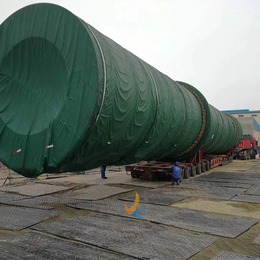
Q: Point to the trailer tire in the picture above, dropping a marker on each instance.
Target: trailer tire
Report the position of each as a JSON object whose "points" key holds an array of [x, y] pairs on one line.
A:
{"points": [[224, 162], [133, 175], [186, 173], [207, 166], [203, 167], [193, 171], [198, 169]]}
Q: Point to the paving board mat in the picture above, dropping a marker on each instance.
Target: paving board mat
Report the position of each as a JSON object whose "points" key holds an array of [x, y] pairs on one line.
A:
{"points": [[156, 198], [130, 237], [146, 184], [17, 200], [257, 240], [234, 175], [9, 197], [94, 192], [247, 198], [17, 218], [186, 219], [224, 255], [35, 246], [218, 179], [34, 189], [254, 190], [197, 185], [25, 203], [43, 201], [211, 192]]}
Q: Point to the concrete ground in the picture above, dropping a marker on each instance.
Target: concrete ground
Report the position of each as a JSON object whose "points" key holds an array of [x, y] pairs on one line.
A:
{"points": [[216, 215]]}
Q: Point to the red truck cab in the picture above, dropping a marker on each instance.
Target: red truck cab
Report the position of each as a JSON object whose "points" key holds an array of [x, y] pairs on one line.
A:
{"points": [[247, 148]]}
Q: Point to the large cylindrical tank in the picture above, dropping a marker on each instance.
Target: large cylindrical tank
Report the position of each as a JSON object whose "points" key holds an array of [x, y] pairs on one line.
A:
{"points": [[72, 99]]}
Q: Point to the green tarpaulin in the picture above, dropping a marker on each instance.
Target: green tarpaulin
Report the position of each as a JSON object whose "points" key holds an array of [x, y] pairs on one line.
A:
{"points": [[72, 99]]}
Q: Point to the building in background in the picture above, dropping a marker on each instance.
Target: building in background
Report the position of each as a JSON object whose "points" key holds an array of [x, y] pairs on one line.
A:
{"points": [[249, 120]]}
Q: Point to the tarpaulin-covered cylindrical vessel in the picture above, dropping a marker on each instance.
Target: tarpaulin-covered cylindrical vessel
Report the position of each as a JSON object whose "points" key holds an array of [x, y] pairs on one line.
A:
{"points": [[72, 99]]}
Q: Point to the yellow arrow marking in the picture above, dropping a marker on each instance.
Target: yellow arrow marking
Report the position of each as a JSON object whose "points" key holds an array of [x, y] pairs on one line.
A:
{"points": [[133, 208]]}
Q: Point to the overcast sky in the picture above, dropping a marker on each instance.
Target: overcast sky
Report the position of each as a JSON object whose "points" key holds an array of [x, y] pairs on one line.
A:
{"points": [[212, 44]]}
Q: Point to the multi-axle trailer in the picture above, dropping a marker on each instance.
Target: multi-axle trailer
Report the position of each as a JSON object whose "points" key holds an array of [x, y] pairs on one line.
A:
{"points": [[160, 171]]}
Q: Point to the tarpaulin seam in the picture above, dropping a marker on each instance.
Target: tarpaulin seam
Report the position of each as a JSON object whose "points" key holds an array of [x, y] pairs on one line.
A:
{"points": [[105, 74]]}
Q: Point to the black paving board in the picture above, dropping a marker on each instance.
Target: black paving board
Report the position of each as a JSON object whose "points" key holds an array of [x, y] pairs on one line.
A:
{"points": [[217, 179], [41, 201], [209, 192], [233, 175], [156, 198], [34, 189], [197, 185], [130, 237], [247, 198], [35, 246], [255, 190], [9, 197], [16, 218], [224, 255], [186, 219], [257, 240], [18, 200]]}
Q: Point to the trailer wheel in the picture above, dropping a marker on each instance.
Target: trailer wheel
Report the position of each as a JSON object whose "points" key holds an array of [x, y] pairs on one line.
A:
{"points": [[182, 174], [193, 171], [203, 167], [186, 173], [134, 174], [207, 166], [224, 162], [198, 169]]}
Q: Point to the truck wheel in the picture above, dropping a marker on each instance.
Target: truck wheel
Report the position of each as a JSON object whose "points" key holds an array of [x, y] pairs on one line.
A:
{"points": [[198, 169], [193, 170], [207, 166], [186, 173], [203, 167]]}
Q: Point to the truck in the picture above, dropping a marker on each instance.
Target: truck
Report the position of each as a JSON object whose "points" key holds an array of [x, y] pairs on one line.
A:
{"points": [[247, 148]]}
